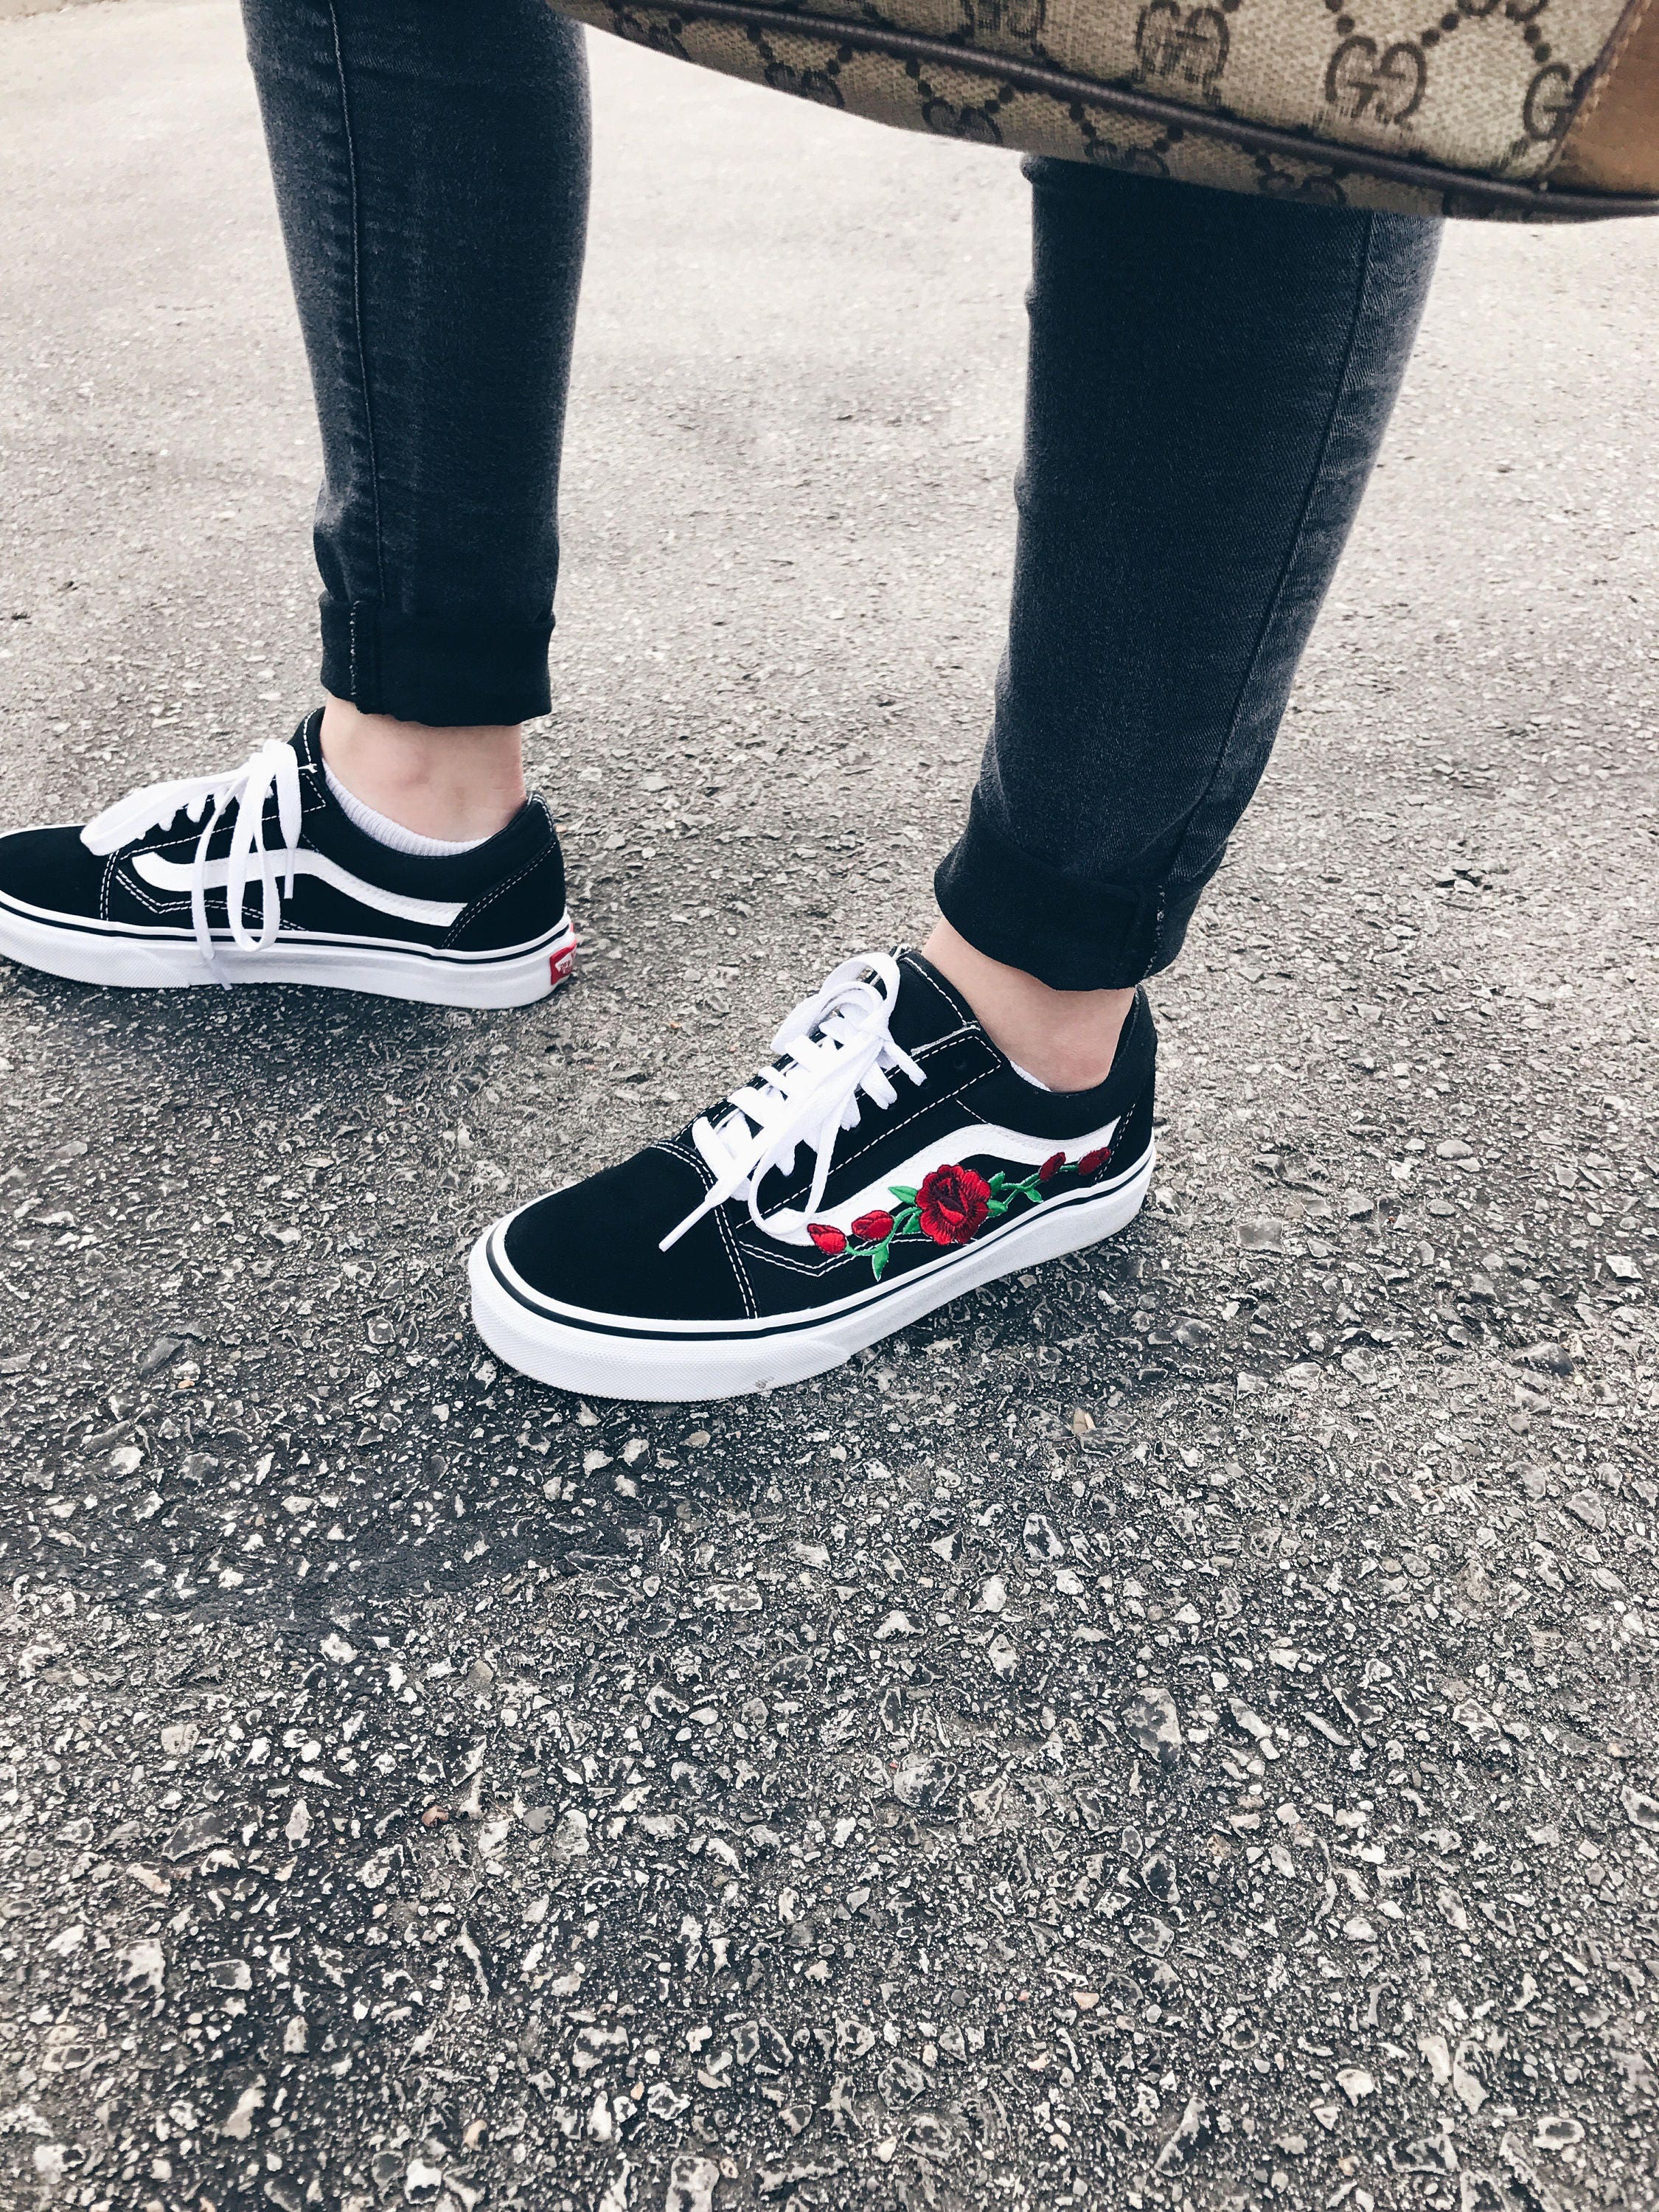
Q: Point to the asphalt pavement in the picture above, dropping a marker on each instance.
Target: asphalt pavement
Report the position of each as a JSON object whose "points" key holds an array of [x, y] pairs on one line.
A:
{"points": [[1175, 1730]]}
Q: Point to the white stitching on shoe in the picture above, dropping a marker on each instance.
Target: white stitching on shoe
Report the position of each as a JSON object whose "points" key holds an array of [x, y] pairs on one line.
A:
{"points": [[236, 798], [679, 1151], [833, 1052], [939, 1098], [137, 891], [676, 1151], [921, 977], [738, 1267], [482, 906]]}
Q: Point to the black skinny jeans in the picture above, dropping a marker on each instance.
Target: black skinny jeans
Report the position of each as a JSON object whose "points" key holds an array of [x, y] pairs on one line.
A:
{"points": [[1209, 379]]}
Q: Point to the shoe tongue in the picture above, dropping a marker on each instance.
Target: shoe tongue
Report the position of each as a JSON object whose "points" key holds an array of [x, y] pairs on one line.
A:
{"points": [[306, 740], [919, 1014], [927, 1007]]}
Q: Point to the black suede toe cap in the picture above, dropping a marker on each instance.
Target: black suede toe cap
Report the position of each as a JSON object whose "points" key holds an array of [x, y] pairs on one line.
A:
{"points": [[595, 1245], [52, 869]]}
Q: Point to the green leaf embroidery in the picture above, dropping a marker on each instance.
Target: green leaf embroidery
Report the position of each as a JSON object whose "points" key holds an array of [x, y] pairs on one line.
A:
{"points": [[1001, 1197]]}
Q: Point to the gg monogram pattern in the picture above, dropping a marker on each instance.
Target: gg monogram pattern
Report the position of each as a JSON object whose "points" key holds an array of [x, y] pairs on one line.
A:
{"points": [[1365, 103]]}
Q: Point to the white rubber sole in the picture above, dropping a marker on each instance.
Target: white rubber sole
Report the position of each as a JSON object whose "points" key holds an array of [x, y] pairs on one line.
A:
{"points": [[148, 960], [604, 1356]]}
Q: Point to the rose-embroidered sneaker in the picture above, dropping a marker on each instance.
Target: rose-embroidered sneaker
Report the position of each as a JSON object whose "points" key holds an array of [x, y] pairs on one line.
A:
{"points": [[888, 1159], [257, 876]]}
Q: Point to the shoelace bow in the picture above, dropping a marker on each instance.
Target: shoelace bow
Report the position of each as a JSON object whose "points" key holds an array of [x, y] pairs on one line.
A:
{"points": [[835, 1048], [274, 766]]}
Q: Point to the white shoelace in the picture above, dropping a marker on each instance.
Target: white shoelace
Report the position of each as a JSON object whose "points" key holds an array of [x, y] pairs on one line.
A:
{"points": [[274, 766], [834, 1049]]}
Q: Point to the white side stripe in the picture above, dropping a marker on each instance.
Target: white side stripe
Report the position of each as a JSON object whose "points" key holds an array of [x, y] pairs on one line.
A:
{"points": [[174, 877], [973, 1140]]}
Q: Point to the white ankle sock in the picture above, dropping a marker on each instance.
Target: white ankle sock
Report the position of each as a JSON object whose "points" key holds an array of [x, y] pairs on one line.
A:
{"points": [[1025, 1075], [385, 831]]}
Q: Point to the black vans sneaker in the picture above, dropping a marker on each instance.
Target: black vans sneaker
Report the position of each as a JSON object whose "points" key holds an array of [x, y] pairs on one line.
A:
{"points": [[712, 1263], [255, 875]]}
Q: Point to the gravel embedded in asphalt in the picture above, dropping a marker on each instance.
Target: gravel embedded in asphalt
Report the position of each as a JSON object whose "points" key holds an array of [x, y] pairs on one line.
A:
{"points": [[1174, 1730]]}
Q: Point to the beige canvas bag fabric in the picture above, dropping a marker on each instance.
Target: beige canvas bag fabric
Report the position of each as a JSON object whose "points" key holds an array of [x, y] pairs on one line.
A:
{"points": [[1534, 109]]}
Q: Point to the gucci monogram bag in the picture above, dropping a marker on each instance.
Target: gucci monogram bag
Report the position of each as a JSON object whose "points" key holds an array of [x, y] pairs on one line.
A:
{"points": [[1533, 109]]}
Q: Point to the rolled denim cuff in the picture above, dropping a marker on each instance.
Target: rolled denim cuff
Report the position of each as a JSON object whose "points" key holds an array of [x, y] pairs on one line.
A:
{"points": [[1072, 935], [423, 671]]}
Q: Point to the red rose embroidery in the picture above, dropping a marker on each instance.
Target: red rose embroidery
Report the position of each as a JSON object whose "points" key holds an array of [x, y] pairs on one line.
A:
{"points": [[1051, 1167], [1091, 1161], [827, 1237], [952, 1204], [874, 1227]]}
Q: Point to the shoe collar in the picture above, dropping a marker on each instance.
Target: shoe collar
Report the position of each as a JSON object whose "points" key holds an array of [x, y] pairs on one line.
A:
{"points": [[327, 828]]}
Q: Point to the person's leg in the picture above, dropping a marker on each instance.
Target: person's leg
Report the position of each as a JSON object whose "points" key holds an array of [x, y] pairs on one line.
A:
{"points": [[431, 165], [1210, 376], [431, 169], [1210, 381]]}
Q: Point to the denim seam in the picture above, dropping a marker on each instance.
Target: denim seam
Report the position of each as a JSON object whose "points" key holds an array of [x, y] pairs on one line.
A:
{"points": [[1039, 864], [1172, 872], [357, 331]]}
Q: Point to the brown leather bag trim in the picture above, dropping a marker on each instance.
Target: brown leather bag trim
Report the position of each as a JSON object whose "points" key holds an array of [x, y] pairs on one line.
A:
{"points": [[1463, 191], [1612, 144]]}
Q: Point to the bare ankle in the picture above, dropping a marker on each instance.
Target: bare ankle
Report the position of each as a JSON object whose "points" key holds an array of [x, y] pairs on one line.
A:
{"points": [[1066, 1039], [448, 783]]}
